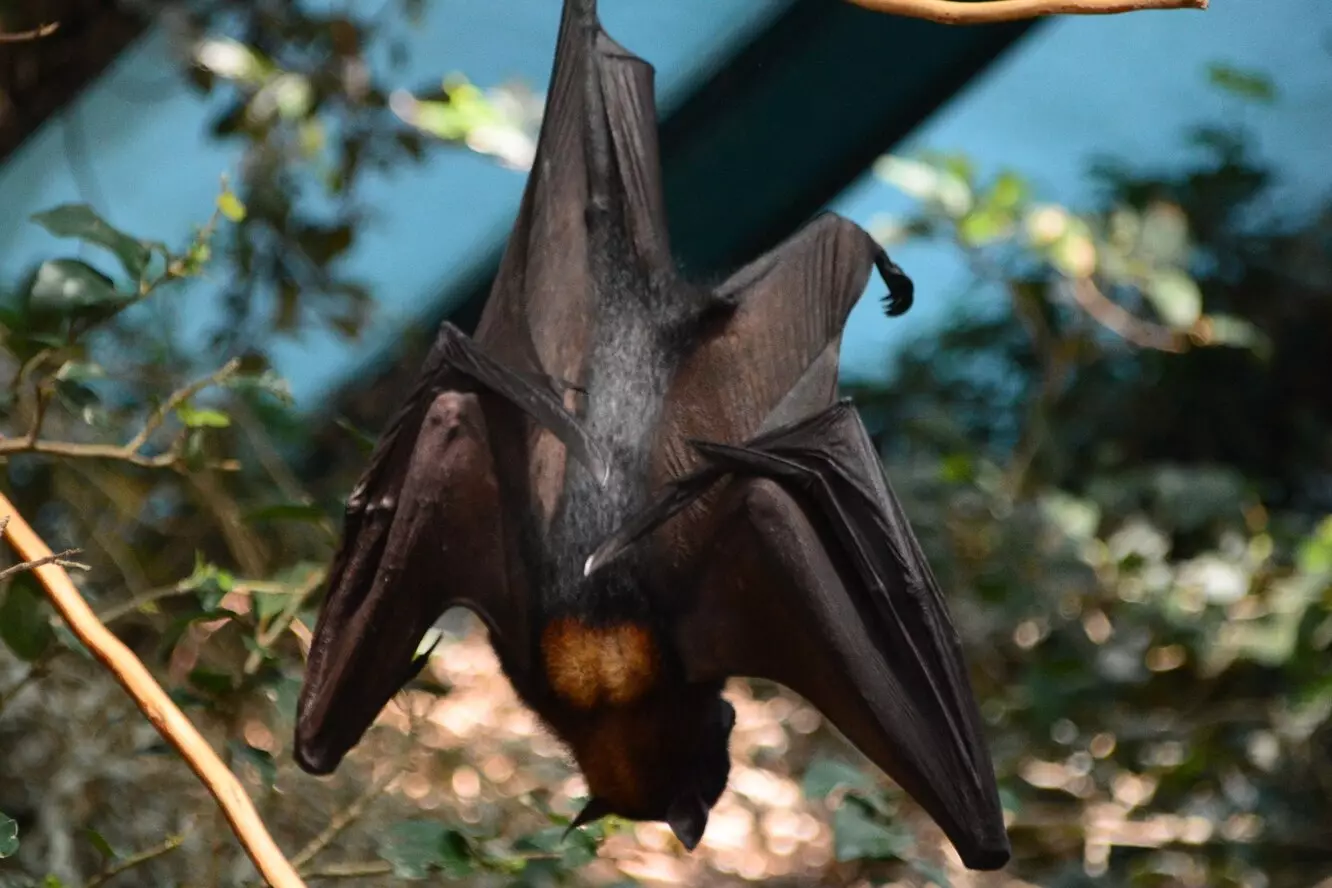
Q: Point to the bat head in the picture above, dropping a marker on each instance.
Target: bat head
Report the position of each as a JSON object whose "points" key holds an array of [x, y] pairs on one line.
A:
{"points": [[668, 762]]}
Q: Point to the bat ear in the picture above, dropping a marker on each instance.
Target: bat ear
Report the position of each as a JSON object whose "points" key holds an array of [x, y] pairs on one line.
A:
{"points": [[688, 818], [595, 809]]}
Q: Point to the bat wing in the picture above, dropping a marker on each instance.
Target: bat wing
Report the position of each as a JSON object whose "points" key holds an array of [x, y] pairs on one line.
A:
{"points": [[815, 580], [776, 355], [425, 529], [593, 198]]}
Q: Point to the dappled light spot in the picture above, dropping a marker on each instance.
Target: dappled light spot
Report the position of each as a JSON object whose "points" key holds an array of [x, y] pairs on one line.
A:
{"points": [[466, 783]]}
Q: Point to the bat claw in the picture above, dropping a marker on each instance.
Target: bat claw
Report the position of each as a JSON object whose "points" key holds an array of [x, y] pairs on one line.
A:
{"points": [[901, 289]]}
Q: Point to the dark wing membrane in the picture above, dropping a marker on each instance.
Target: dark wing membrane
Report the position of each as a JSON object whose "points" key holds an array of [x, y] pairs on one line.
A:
{"points": [[816, 581], [780, 343], [774, 358], [424, 530], [597, 151]]}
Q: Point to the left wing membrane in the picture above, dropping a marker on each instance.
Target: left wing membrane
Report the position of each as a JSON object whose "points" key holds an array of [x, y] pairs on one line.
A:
{"points": [[816, 581]]}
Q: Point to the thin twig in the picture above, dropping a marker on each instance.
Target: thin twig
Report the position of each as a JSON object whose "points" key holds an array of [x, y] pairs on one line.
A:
{"points": [[159, 708], [120, 866], [184, 587], [959, 12], [60, 558], [178, 397], [1115, 317], [37, 33], [128, 452], [351, 870], [342, 820], [36, 670], [273, 631]]}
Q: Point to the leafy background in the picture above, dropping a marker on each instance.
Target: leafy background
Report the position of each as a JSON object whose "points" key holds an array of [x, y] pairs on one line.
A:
{"points": [[1121, 468]]}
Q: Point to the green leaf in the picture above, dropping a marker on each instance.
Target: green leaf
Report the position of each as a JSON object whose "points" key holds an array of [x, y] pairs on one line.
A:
{"points": [[1074, 253], [1176, 298], [933, 184], [1315, 553], [1236, 332], [1251, 85], [1009, 191], [231, 206], [79, 220], [415, 848], [198, 418], [259, 759], [102, 845], [23, 619], [65, 286], [984, 225], [268, 605], [209, 583], [9, 842], [1163, 235], [1077, 518], [211, 681], [858, 835], [825, 775]]}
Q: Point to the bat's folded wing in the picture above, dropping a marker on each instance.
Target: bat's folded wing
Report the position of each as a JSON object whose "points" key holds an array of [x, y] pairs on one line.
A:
{"points": [[425, 529], [816, 581]]}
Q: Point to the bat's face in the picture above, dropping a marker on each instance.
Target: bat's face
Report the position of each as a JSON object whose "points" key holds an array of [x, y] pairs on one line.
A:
{"points": [[667, 761]]}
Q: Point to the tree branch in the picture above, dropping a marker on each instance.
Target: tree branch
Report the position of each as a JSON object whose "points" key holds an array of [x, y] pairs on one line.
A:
{"points": [[60, 558], [1115, 317], [148, 695], [120, 866], [274, 630], [129, 451], [37, 33], [341, 821], [352, 870], [958, 12]]}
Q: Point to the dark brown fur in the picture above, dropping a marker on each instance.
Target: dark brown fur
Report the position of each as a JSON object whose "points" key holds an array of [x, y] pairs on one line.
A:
{"points": [[739, 521]]}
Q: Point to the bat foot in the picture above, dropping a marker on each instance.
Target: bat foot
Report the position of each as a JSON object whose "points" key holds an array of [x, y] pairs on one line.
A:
{"points": [[901, 290]]}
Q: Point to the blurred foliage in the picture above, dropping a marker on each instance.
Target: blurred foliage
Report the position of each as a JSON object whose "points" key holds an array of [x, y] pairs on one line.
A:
{"points": [[1120, 468], [306, 92]]}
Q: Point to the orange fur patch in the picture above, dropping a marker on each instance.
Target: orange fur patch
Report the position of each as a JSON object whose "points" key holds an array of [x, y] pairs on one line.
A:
{"points": [[605, 665]]}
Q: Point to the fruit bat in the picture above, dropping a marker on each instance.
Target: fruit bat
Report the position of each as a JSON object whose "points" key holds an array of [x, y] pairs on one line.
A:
{"points": [[644, 487]]}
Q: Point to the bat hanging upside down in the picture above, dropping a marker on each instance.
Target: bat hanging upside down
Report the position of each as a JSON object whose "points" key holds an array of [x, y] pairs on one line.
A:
{"points": [[644, 487]]}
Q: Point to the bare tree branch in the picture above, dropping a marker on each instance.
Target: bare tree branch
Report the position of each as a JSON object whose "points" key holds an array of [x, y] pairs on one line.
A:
{"points": [[60, 558], [129, 451], [343, 819], [352, 870], [274, 630], [960, 12], [1115, 317], [148, 695], [120, 866], [37, 33]]}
